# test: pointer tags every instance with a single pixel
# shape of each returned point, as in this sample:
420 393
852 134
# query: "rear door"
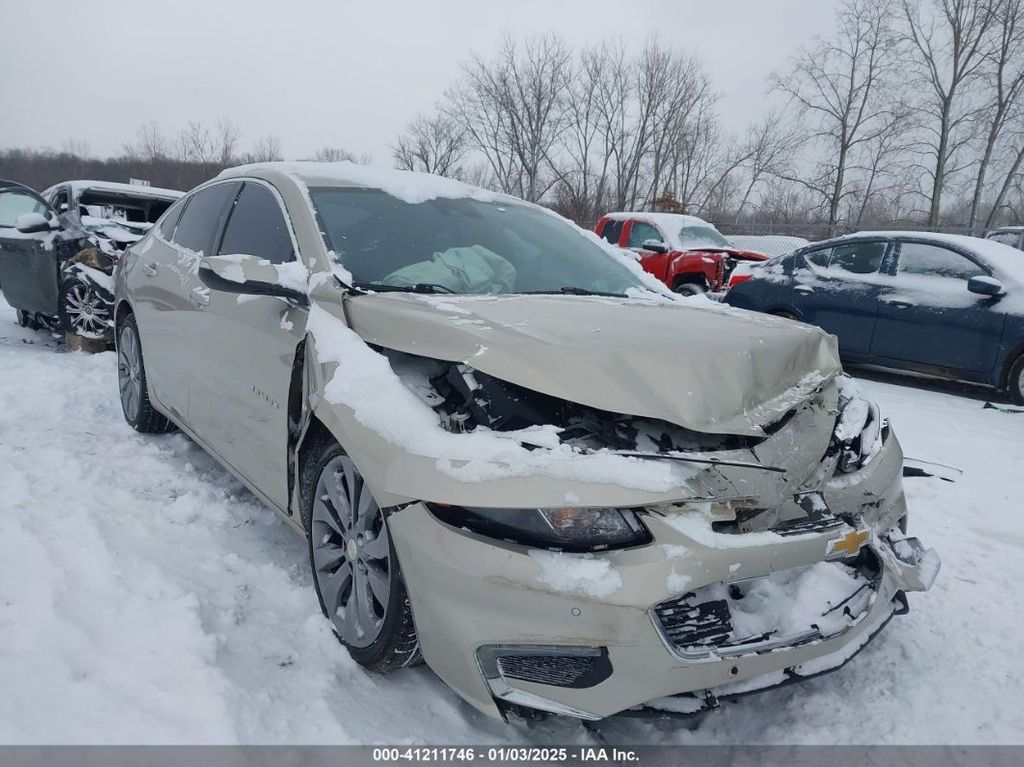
928 320
837 288
167 290
247 344
28 262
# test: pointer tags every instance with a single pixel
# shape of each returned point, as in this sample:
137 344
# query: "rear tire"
23 318
1015 381
349 551
131 378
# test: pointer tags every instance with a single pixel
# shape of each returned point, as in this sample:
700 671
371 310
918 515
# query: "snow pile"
145 597
577 573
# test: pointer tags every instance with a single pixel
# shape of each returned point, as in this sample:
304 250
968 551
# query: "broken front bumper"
581 634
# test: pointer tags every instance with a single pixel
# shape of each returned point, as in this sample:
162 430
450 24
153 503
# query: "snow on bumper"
580 634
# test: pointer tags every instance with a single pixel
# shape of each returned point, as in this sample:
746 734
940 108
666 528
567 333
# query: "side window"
1007 238
641 232
166 227
919 258
818 259
203 213
612 231
14 204
858 257
60 200
257 227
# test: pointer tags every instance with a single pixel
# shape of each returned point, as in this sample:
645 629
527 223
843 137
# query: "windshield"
698 237
461 246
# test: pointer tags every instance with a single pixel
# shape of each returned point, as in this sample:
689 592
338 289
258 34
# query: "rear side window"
640 233
167 225
14 204
858 258
612 231
257 227
203 214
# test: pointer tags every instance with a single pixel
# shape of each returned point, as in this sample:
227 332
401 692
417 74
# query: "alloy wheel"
351 553
129 372
87 313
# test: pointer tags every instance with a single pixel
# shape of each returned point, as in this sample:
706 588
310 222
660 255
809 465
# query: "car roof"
136 190
409 186
1015 228
668 220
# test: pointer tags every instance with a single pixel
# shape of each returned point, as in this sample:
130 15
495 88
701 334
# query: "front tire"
85 309
131 379
1015 381
355 569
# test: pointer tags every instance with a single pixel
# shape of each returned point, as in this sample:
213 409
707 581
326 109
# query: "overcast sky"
338 73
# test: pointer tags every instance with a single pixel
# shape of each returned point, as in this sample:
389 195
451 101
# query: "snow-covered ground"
146 597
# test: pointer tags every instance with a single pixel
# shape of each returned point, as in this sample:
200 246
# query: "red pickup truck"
685 252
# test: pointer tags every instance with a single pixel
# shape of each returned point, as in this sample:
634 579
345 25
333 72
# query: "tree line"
910 112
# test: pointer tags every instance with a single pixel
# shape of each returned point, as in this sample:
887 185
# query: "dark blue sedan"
933 304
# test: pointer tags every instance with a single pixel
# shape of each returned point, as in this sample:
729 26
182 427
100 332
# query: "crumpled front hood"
705 368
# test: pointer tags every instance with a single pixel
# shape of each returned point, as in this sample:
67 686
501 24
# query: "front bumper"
475 599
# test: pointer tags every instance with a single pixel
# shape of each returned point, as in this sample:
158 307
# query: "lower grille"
575 667
762 614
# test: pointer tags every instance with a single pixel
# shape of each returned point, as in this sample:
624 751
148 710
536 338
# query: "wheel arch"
1011 360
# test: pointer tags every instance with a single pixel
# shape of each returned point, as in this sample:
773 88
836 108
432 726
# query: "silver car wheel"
129 372
351 553
87 313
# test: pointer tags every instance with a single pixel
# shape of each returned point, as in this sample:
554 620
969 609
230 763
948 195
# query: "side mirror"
247 275
984 285
33 223
655 246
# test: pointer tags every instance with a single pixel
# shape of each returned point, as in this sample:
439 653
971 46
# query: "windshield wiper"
572 290
419 287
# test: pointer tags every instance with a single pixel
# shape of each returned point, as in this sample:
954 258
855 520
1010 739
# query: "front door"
836 288
28 262
928 318
248 343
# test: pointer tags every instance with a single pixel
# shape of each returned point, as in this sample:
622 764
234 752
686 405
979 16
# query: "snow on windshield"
699 237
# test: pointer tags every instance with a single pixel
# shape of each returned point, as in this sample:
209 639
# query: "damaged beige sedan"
513 454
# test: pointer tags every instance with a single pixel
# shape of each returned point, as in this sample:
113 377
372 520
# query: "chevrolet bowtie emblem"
847 545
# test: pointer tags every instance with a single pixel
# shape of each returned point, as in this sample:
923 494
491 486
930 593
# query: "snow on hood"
713 371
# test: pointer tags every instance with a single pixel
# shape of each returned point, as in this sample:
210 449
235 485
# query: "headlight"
565 529
860 429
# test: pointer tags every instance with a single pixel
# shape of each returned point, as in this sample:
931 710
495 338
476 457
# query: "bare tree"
267 149
227 137
196 144
950 47
1005 78
767 151
433 144
839 85
150 143
512 108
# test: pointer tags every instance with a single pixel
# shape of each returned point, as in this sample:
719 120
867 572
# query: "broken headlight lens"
566 529
860 429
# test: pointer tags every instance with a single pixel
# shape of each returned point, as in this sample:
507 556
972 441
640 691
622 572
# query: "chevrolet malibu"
506 458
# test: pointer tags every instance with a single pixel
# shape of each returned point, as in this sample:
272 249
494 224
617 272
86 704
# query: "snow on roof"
136 190
1006 260
409 186
669 224
670 221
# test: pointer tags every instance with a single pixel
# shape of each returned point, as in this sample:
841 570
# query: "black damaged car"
58 249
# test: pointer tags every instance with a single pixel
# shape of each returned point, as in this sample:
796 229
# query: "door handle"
804 290
149 269
199 297
899 303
